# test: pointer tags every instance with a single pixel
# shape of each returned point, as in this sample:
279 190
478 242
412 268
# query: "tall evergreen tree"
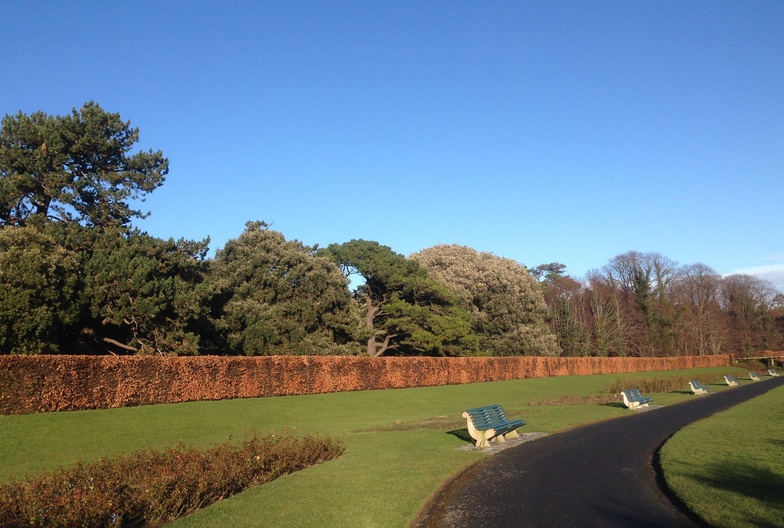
276 297
404 311
145 295
40 285
73 168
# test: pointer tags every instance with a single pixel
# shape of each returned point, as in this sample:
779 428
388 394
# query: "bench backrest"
484 417
633 394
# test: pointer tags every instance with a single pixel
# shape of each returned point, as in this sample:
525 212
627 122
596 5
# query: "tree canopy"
145 295
405 312
39 290
506 303
73 168
275 296
67 288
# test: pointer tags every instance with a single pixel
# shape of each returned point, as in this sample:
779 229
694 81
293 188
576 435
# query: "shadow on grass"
435 423
462 434
753 482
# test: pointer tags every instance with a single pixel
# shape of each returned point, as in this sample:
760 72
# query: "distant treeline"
76 278
644 304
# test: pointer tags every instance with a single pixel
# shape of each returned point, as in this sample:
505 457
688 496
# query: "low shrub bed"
149 488
660 385
751 364
574 399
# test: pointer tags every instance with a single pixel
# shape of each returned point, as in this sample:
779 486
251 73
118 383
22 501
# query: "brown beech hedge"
30 384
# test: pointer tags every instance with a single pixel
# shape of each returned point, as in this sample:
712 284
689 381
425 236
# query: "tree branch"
121 345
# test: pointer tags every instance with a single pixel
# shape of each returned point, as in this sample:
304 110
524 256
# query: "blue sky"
539 131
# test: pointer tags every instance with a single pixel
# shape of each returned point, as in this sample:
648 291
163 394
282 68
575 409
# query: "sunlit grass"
400 444
729 469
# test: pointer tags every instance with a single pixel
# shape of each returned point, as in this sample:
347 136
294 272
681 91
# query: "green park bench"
773 372
633 399
753 376
731 381
490 423
697 387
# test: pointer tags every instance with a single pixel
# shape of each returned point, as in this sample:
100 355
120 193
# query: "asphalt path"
598 475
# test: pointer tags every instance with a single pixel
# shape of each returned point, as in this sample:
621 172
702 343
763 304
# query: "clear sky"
544 131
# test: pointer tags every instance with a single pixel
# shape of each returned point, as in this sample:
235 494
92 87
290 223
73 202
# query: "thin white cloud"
774 273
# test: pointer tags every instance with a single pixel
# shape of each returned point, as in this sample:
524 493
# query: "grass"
736 479
400 444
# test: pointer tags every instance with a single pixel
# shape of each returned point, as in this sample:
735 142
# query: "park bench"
773 372
731 381
754 376
490 423
633 399
697 387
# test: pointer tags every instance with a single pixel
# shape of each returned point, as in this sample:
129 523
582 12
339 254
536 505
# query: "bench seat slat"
501 427
697 387
490 422
635 399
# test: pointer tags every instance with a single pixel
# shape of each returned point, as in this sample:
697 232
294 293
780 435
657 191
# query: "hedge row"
30 384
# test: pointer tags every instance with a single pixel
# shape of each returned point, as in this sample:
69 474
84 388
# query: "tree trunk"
374 348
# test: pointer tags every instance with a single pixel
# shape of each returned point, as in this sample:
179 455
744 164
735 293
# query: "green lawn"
729 469
400 444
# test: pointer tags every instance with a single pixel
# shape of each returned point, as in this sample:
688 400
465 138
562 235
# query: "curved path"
598 475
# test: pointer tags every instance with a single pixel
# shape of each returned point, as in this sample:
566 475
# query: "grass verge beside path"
398 443
729 468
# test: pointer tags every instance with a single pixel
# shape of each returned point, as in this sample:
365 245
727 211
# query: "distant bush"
751 364
149 488
650 384
572 399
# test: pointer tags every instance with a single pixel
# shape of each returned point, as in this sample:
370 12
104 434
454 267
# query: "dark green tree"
547 273
67 289
40 287
276 297
74 277
404 311
73 168
145 295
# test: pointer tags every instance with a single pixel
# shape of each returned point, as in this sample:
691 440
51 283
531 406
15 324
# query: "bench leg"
500 439
512 434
